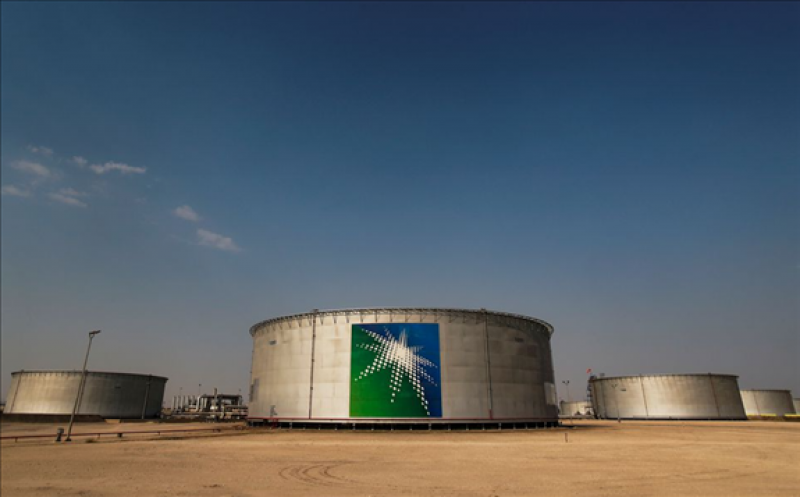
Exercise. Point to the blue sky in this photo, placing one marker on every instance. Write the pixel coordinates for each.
(173, 173)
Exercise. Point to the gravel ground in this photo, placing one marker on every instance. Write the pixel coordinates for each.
(600, 459)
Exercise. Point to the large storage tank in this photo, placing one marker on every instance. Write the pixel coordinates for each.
(796, 406)
(110, 395)
(669, 396)
(761, 402)
(576, 408)
(408, 365)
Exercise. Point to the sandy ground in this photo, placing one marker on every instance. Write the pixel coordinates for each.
(601, 458)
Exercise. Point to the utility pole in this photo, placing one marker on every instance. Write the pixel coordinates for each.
(80, 385)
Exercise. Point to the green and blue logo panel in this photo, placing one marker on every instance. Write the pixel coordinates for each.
(395, 371)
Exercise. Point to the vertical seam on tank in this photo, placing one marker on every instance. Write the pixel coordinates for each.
(714, 393)
(147, 395)
(16, 391)
(644, 398)
(311, 380)
(252, 358)
(488, 364)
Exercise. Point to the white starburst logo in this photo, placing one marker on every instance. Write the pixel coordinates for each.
(404, 361)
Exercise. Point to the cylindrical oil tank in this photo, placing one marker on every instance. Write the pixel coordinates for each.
(796, 405)
(669, 396)
(110, 395)
(576, 408)
(407, 365)
(765, 402)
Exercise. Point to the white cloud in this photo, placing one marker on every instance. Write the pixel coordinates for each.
(117, 166)
(216, 241)
(72, 193)
(34, 168)
(187, 213)
(66, 199)
(80, 161)
(69, 196)
(15, 192)
(47, 152)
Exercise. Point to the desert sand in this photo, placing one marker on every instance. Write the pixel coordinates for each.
(599, 459)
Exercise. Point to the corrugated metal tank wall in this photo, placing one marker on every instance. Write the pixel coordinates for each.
(110, 395)
(676, 396)
(760, 402)
(521, 372)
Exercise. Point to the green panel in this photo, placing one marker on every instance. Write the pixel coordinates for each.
(391, 377)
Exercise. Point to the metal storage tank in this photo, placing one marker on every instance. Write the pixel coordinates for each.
(761, 402)
(403, 365)
(110, 395)
(668, 396)
(576, 408)
(796, 406)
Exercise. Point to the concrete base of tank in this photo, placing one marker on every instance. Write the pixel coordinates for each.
(658, 418)
(49, 418)
(405, 424)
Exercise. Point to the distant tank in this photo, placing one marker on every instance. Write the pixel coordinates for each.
(796, 403)
(765, 402)
(576, 408)
(667, 396)
(109, 395)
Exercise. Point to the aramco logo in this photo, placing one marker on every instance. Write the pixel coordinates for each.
(394, 371)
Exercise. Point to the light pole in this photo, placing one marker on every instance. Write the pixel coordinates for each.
(566, 382)
(80, 385)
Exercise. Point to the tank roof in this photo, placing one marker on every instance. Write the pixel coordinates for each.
(764, 390)
(598, 378)
(436, 311)
(77, 371)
